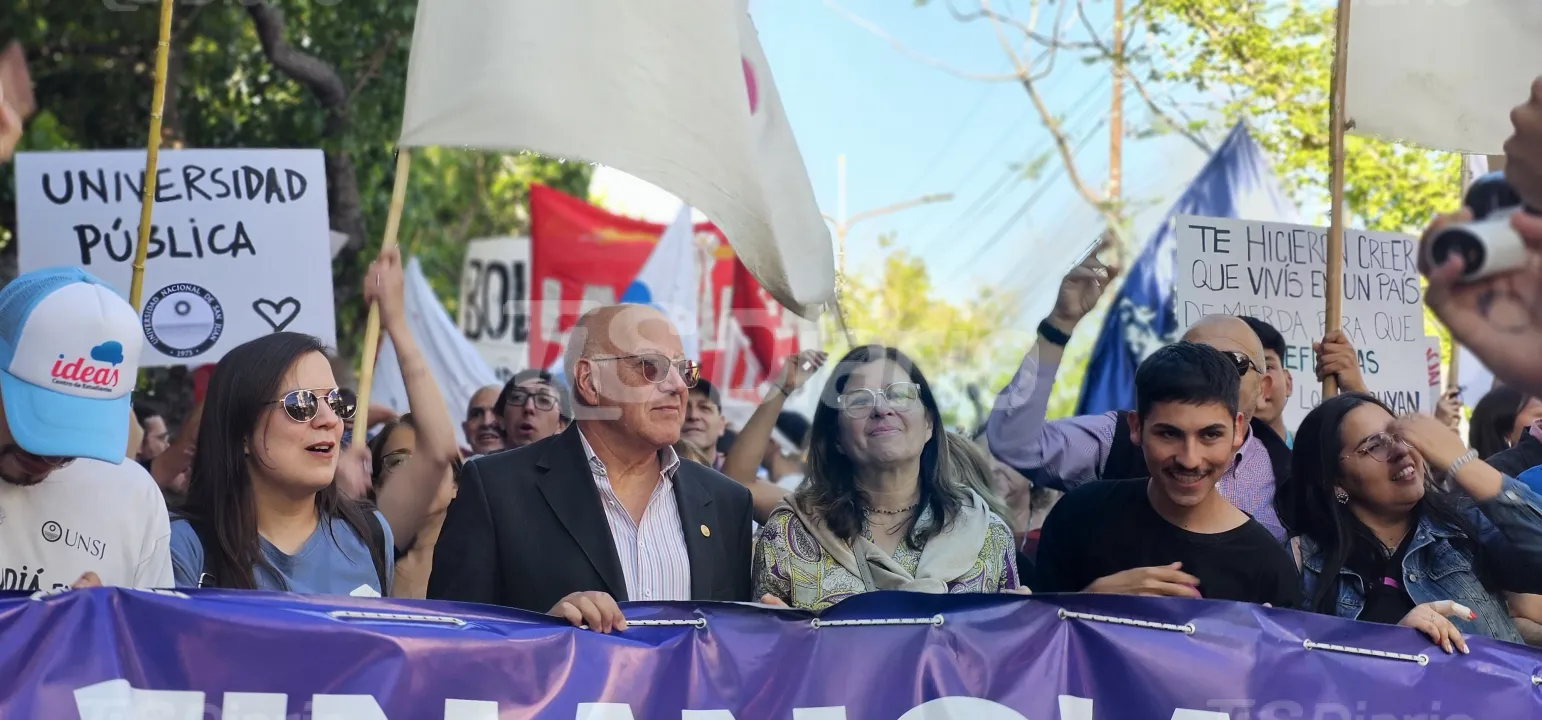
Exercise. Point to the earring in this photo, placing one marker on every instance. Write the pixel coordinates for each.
(1341, 496)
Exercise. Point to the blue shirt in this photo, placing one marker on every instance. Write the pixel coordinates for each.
(329, 563)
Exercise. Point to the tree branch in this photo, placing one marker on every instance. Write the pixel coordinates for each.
(344, 209)
(375, 62)
(1107, 53)
(1052, 41)
(914, 55)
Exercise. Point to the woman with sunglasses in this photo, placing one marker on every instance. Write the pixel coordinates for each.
(1378, 539)
(878, 510)
(263, 510)
(394, 460)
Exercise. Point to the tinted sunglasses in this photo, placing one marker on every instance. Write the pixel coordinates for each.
(655, 367)
(1244, 363)
(302, 405)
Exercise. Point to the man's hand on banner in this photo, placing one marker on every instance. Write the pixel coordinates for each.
(1080, 291)
(88, 580)
(1337, 357)
(1165, 581)
(1432, 620)
(1498, 317)
(596, 610)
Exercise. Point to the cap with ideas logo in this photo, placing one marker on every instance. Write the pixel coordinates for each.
(69, 357)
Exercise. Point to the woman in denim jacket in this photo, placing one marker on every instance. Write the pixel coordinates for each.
(1362, 510)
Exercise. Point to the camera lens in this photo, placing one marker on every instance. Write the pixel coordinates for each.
(1461, 242)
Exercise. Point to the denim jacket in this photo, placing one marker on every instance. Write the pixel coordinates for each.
(1510, 537)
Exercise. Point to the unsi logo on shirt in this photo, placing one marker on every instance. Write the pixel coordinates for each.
(87, 374)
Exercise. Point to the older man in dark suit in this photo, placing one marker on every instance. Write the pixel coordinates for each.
(604, 511)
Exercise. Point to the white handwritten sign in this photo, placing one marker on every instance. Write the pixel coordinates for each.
(1278, 273)
(495, 302)
(239, 245)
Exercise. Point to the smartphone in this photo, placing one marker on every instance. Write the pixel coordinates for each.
(15, 82)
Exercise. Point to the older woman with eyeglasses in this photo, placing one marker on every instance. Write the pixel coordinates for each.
(878, 510)
(1379, 540)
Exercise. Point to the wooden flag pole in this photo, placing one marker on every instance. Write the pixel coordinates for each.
(1335, 286)
(152, 155)
(372, 325)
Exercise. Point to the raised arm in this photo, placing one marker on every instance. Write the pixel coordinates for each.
(749, 446)
(1063, 453)
(405, 500)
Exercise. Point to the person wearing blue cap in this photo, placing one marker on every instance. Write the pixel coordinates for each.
(72, 512)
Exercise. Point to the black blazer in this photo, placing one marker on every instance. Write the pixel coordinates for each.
(526, 529)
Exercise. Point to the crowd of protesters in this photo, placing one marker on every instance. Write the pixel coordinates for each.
(620, 479)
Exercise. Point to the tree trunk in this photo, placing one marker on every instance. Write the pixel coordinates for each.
(344, 209)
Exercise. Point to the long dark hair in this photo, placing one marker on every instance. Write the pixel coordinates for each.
(1493, 419)
(220, 504)
(1306, 505)
(831, 491)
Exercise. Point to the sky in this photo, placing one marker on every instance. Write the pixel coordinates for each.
(907, 128)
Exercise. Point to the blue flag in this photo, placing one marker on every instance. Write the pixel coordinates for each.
(1236, 182)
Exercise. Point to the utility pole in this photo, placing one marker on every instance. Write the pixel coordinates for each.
(842, 224)
(1116, 113)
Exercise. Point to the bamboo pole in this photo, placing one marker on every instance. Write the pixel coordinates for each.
(152, 155)
(372, 325)
(1335, 289)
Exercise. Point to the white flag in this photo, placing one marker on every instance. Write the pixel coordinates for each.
(674, 92)
(1444, 74)
(671, 281)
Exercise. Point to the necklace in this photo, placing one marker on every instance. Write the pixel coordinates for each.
(901, 511)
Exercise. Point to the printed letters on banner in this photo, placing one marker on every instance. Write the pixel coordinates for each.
(495, 302)
(1278, 273)
(239, 245)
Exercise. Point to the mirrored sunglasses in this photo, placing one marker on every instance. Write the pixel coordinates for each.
(302, 405)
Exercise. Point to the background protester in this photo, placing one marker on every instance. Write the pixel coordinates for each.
(1063, 454)
(263, 509)
(533, 406)
(157, 436)
(604, 511)
(395, 454)
(1380, 541)
(704, 422)
(753, 447)
(170, 467)
(879, 511)
(1172, 534)
(1500, 419)
(484, 424)
(75, 511)
(1271, 407)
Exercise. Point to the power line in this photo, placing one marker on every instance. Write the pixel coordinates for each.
(958, 132)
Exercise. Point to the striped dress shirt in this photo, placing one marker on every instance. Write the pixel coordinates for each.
(653, 555)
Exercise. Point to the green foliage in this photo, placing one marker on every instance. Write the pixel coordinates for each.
(955, 344)
(1269, 63)
(91, 67)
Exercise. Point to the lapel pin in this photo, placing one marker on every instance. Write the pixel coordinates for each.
(706, 531)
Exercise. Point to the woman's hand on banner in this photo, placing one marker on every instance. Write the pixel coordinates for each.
(1432, 619)
(1337, 357)
(1498, 317)
(772, 600)
(596, 610)
(1164, 581)
(384, 284)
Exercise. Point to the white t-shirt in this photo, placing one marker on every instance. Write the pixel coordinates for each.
(88, 516)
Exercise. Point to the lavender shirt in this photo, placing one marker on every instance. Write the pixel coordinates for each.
(654, 561)
(1063, 454)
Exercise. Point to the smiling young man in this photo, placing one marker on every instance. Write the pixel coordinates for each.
(73, 511)
(1172, 534)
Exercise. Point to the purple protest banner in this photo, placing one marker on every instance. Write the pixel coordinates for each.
(129, 655)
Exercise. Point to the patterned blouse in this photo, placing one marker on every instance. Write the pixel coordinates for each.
(788, 555)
